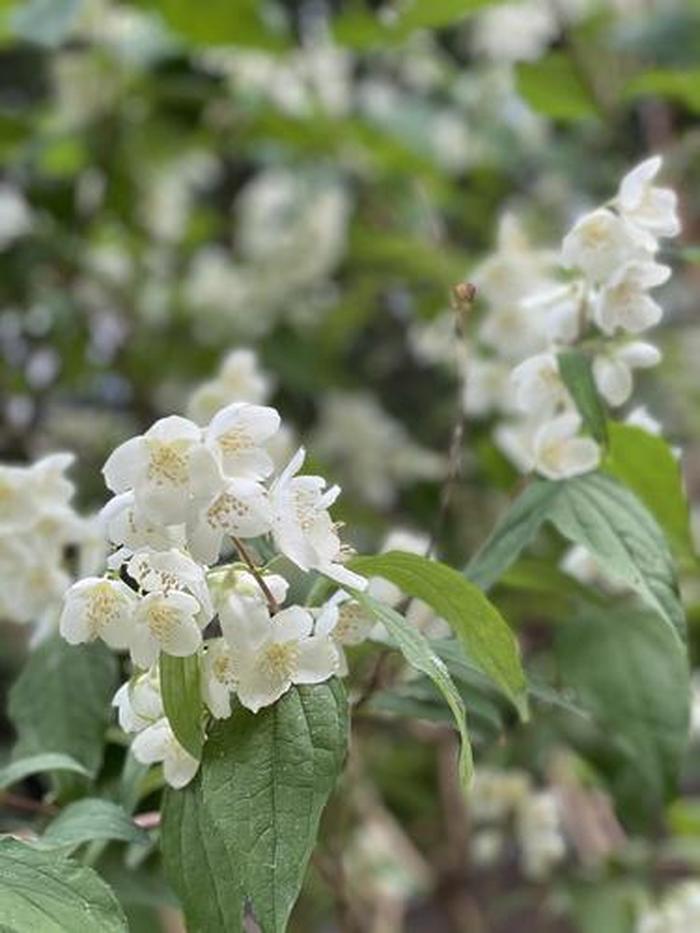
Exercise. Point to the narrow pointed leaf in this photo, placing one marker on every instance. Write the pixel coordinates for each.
(182, 700)
(36, 764)
(575, 370)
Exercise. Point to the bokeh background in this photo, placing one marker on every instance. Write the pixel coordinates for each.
(301, 182)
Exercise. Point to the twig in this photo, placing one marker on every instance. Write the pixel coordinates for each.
(16, 802)
(250, 564)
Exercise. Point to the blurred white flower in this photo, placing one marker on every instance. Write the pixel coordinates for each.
(601, 242)
(624, 303)
(612, 370)
(559, 453)
(649, 207)
(15, 216)
(239, 379)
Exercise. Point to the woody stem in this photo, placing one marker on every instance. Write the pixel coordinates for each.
(250, 564)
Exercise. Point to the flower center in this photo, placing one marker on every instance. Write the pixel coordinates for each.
(225, 509)
(161, 618)
(221, 669)
(103, 608)
(280, 659)
(167, 462)
(236, 440)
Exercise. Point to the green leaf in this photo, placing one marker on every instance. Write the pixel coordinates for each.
(552, 86)
(417, 650)
(61, 702)
(603, 516)
(49, 893)
(90, 819)
(632, 674)
(34, 764)
(682, 86)
(575, 370)
(182, 700)
(246, 827)
(646, 464)
(478, 625)
(358, 28)
(611, 523)
(220, 22)
(513, 533)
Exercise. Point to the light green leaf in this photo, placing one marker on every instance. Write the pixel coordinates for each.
(611, 523)
(182, 700)
(46, 892)
(646, 464)
(220, 22)
(575, 370)
(632, 674)
(358, 28)
(417, 651)
(682, 86)
(477, 623)
(35, 764)
(246, 827)
(88, 820)
(552, 86)
(61, 702)
(513, 533)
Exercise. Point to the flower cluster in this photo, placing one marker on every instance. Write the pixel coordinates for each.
(185, 497)
(606, 303)
(39, 528)
(499, 796)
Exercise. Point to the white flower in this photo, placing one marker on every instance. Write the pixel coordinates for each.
(539, 833)
(241, 509)
(165, 622)
(218, 680)
(126, 526)
(236, 435)
(239, 380)
(486, 387)
(302, 528)
(138, 701)
(613, 370)
(641, 418)
(563, 307)
(601, 242)
(624, 303)
(582, 566)
(539, 388)
(350, 624)
(639, 201)
(515, 439)
(15, 216)
(157, 743)
(559, 453)
(158, 466)
(171, 570)
(98, 608)
(269, 654)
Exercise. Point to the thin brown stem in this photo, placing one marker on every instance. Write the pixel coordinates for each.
(16, 802)
(272, 603)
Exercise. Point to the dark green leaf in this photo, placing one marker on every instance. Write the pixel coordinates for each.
(632, 674)
(417, 650)
(478, 625)
(35, 764)
(48, 893)
(575, 370)
(61, 702)
(90, 819)
(245, 829)
(182, 700)
(646, 464)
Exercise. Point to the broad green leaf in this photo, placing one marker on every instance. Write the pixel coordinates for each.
(575, 370)
(603, 516)
(632, 674)
(478, 625)
(197, 863)
(611, 523)
(46, 892)
(607, 906)
(513, 533)
(246, 827)
(182, 700)
(61, 702)
(88, 820)
(220, 22)
(417, 650)
(646, 464)
(35, 764)
(552, 86)
(682, 86)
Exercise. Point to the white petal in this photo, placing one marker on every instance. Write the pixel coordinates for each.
(256, 689)
(640, 355)
(152, 745)
(634, 184)
(125, 465)
(291, 624)
(181, 639)
(318, 660)
(179, 767)
(613, 379)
